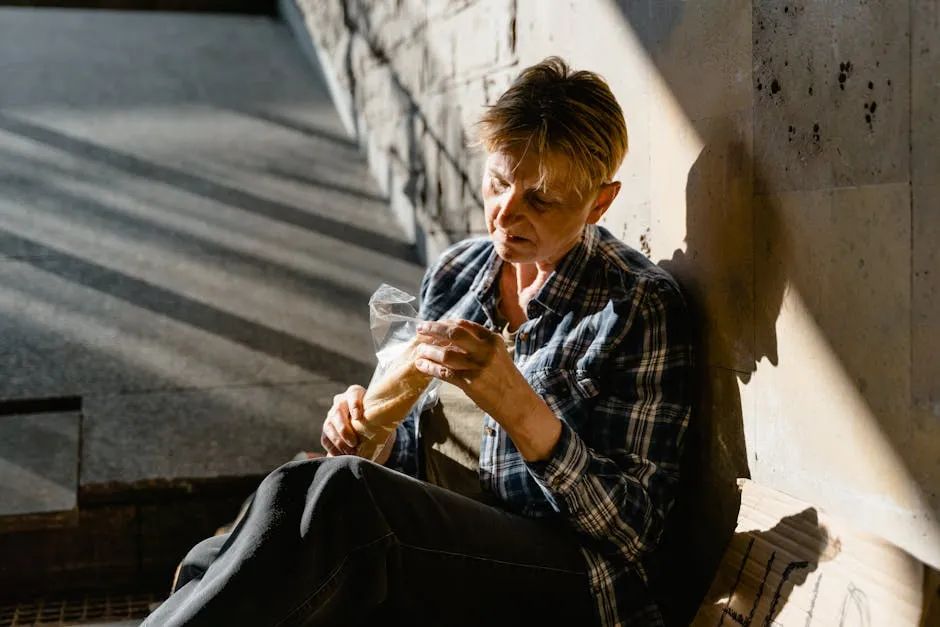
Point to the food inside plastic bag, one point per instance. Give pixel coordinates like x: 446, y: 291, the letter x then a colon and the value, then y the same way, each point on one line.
x: 388, y: 400
x: 397, y: 385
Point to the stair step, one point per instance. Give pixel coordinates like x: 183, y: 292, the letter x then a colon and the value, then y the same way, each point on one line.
x: 117, y: 544
x: 39, y: 459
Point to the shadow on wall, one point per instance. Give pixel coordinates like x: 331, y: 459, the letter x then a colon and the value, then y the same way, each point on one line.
x: 763, y: 556
x: 719, y: 208
x: 811, y: 134
x: 440, y: 180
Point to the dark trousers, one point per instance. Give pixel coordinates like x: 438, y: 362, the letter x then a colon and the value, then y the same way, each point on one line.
x: 344, y: 541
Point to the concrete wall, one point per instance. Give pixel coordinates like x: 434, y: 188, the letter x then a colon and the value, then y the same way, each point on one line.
x: 784, y: 165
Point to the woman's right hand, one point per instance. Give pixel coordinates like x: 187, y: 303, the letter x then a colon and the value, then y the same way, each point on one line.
x: 338, y: 436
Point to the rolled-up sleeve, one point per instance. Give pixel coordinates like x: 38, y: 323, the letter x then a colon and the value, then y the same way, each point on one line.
x: 616, y: 479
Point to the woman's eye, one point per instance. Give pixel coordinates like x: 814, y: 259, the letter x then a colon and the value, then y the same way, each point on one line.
x: 540, y: 205
x: 497, y: 185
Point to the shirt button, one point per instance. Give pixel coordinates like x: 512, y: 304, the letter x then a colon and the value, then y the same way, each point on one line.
x: 490, y: 431
x: 523, y: 336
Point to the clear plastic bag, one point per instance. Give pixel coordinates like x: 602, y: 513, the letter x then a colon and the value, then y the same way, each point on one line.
x: 396, y: 385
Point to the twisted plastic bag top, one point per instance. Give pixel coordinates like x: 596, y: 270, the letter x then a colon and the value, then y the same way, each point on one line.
x: 394, y: 322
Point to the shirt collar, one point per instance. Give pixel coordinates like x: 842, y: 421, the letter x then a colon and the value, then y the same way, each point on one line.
x: 558, y: 289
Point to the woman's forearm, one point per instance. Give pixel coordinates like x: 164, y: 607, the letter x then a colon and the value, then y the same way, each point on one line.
x: 533, y: 428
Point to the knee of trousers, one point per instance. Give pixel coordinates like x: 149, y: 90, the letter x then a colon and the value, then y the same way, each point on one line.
x: 338, y: 483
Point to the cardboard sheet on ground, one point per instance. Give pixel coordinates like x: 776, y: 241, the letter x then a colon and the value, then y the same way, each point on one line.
x: 791, y: 565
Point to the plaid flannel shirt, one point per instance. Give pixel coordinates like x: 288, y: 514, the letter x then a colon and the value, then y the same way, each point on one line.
x: 607, y: 346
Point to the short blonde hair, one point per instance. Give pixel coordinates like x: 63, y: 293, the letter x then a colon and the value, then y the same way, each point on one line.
x: 552, y: 110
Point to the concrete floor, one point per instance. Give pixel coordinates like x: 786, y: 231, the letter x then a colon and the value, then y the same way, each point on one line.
x: 188, y: 241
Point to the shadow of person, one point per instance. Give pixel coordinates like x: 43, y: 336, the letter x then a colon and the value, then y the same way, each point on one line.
x: 734, y: 283
x: 775, y: 570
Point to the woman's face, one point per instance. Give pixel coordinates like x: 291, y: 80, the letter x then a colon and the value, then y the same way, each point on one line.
x: 528, y: 225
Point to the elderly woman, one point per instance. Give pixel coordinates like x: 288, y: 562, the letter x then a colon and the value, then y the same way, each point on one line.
x: 532, y: 490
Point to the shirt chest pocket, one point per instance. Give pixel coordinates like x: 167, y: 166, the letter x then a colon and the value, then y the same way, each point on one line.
x: 569, y: 393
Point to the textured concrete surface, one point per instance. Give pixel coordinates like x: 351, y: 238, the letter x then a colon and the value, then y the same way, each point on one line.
x: 925, y: 174
x: 200, y: 434
x: 826, y: 94
x: 188, y: 241
x: 38, y: 464
x: 926, y: 297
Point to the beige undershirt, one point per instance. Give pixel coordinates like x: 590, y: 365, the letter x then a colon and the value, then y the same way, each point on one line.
x: 452, y: 433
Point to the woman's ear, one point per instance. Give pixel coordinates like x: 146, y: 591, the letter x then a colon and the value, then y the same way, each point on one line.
x: 605, y: 197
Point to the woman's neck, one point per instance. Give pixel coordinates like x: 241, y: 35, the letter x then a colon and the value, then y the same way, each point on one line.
x: 519, y: 283
x: 526, y: 278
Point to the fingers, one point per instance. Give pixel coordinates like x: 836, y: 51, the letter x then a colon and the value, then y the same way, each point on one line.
x: 448, y: 363
x: 347, y: 438
x: 333, y: 439
x: 476, y: 341
x: 327, y: 443
x: 451, y: 356
x: 478, y: 330
x: 354, y: 402
x: 459, y: 378
x: 456, y: 331
x: 338, y: 436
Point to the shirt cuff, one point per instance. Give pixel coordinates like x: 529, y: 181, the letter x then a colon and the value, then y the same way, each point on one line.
x: 565, y: 466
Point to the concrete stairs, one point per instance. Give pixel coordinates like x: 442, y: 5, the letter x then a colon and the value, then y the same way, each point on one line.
x: 188, y: 241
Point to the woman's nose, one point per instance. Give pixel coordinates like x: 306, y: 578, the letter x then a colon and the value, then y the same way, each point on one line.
x: 510, y: 207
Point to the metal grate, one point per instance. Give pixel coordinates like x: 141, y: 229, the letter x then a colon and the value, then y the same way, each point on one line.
x: 76, y: 611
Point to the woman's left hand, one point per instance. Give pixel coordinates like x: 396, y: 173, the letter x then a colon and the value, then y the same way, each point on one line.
x: 474, y: 359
